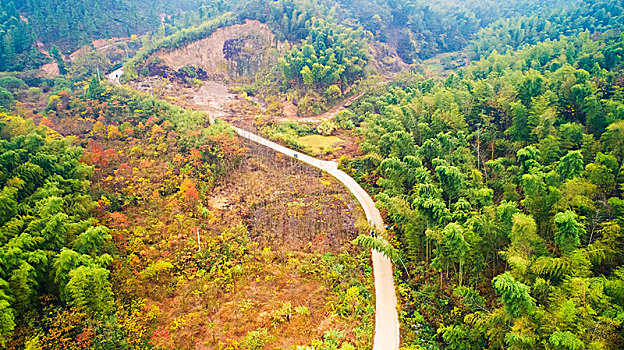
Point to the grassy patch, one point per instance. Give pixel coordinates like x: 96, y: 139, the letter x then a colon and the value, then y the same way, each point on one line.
x: 319, y: 143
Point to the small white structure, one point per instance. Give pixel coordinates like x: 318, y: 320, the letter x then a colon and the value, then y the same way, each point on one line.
x: 114, y: 76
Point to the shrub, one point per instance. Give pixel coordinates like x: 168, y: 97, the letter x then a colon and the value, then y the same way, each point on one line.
x: 256, y: 340
x: 6, y: 99
x: 12, y: 83
x: 302, y: 310
x: 33, y: 94
x: 282, y: 314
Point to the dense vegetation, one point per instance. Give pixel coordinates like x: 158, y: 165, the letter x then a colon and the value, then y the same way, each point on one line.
x: 107, y: 229
x: 17, y: 51
x: 55, y: 255
x: 503, y: 183
x: 51, y: 244
x: 330, y: 54
x: 597, y: 16
x: 420, y: 29
x: 70, y: 24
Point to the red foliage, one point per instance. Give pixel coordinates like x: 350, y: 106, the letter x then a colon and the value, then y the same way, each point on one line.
x: 161, y: 337
x: 192, y: 193
x: 95, y: 147
x: 195, y: 155
x: 64, y: 96
x: 151, y: 121
x: 145, y: 164
x: 94, y: 154
x: 117, y: 219
x: 83, y: 340
x: 120, y: 240
x: 124, y: 167
x: 128, y: 132
x: 45, y: 121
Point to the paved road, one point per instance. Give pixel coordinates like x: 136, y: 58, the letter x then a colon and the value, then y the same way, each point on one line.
x: 386, y: 317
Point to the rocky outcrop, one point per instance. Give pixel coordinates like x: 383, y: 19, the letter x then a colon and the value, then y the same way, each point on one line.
x: 236, y: 51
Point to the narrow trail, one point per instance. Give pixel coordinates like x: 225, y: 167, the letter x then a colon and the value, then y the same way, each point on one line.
x: 386, y: 315
x: 330, y: 114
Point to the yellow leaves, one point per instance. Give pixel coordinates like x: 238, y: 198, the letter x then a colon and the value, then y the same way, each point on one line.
x: 181, y: 321
x: 132, y: 320
x: 246, y: 304
x: 98, y: 128
x: 113, y: 132
x: 157, y: 132
x: 105, y: 201
x: 156, y: 268
x: 153, y: 313
x: 456, y: 312
x: 54, y: 100
x: 186, y: 185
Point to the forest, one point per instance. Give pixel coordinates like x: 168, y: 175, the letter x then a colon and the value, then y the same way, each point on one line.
x: 489, y: 134
x: 503, y: 183
x: 416, y: 29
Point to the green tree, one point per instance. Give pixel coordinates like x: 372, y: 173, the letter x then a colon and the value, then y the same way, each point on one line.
x: 95, y: 90
x: 520, y: 130
x: 7, y: 101
x: 452, y: 248
x: 571, y: 165
x: 568, y: 232
x: 528, y: 157
x: 58, y: 58
x: 7, y: 318
x: 93, y: 240
x: 88, y: 288
x: 524, y: 238
x: 614, y: 141
x: 514, y: 295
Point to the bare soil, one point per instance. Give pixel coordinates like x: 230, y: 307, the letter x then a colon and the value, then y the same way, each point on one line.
x: 235, y: 51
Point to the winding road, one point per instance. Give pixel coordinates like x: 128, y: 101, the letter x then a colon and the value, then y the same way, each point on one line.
x: 386, y: 316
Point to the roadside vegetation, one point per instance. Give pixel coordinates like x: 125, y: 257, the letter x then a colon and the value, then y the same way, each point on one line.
x: 503, y: 186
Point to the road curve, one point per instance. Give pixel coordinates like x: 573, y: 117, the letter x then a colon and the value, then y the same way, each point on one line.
x: 386, y: 317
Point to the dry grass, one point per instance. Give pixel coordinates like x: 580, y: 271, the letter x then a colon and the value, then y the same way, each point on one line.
x: 318, y: 143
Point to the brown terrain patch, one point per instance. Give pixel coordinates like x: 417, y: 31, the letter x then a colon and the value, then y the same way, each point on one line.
x: 287, y: 205
x: 236, y: 51
x: 293, y: 214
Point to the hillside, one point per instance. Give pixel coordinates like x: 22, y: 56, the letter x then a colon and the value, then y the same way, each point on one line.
x: 156, y: 189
